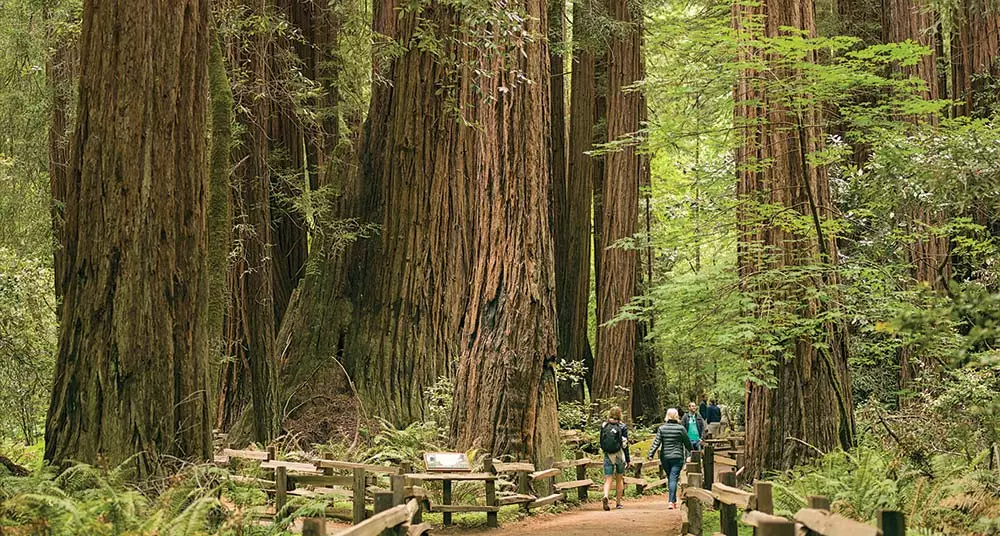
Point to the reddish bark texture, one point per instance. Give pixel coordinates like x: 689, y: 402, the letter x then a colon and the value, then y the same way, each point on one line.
x: 614, y: 366
x: 974, y: 50
x: 811, y: 399
x: 131, y: 367
x: 573, y: 265
x: 505, y: 391
x: 61, y: 73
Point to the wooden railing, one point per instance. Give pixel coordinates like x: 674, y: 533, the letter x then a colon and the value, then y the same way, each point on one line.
x: 756, y: 509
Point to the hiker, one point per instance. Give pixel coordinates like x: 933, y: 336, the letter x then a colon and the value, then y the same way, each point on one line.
x: 703, y: 409
x: 714, y: 418
x: 695, y: 426
x: 614, y: 444
x: 672, y: 440
x: 724, y: 418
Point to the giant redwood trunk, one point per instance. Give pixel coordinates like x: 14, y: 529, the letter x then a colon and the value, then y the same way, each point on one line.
x: 616, y: 278
x: 505, y: 388
x: 809, y: 403
x: 131, y: 368
x: 409, y: 283
x: 248, y: 379
x: 392, y: 304
x: 573, y: 265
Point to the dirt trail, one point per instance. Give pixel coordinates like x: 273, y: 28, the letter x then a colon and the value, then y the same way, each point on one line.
x: 641, y: 517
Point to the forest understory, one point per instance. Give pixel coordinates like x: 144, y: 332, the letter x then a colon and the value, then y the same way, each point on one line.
x: 370, y: 229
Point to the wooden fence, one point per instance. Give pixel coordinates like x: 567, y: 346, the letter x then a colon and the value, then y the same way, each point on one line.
x: 756, y: 509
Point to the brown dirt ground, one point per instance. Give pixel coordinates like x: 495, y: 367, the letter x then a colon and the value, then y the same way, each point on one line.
x: 640, y: 517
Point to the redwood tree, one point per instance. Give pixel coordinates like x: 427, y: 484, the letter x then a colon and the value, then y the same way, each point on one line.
x: 808, y: 406
x: 573, y: 244
x: 505, y: 390
x: 248, y: 379
x: 616, y: 278
x: 131, y: 368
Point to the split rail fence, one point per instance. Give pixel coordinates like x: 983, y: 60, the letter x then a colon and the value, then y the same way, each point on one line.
x: 756, y: 509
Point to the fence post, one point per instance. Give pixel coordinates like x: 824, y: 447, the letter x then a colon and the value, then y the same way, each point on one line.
x: 491, y: 491
x: 817, y: 502
x: 523, y: 488
x: 405, y: 468
x: 446, y: 500
x: 271, y: 452
x: 727, y: 512
x: 773, y: 527
x: 639, y: 488
x: 314, y: 526
x: 280, y: 489
x: 765, y: 500
x: 383, y: 502
x: 708, y: 463
x: 581, y: 474
x: 694, y: 512
x: 892, y: 523
x: 358, y: 513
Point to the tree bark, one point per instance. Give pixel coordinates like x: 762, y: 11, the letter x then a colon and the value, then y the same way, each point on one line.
x: 249, y: 375
x: 614, y: 366
x: 505, y: 391
x: 302, y: 143
x: 62, y: 71
x: 975, y: 46
x: 573, y: 274
x: 131, y: 368
x: 810, y: 402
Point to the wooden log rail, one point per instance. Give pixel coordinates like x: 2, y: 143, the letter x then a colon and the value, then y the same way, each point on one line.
x: 326, y: 477
x: 756, y: 509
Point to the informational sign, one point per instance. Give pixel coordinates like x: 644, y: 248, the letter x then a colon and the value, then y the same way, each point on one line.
x: 449, y: 462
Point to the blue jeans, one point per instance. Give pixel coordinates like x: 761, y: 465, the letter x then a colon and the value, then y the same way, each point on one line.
x: 672, y: 466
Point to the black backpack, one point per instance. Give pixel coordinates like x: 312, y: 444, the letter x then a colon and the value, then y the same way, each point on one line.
x: 611, y: 437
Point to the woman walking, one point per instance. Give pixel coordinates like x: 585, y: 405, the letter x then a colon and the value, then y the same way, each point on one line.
x: 672, y: 440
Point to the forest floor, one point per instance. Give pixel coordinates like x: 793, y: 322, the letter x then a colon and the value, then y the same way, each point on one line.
x: 640, y: 517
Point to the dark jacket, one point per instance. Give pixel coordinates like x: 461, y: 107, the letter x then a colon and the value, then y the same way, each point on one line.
x: 714, y: 414
x: 672, y: 439
x: 700, y: 421
x: 703, y: 409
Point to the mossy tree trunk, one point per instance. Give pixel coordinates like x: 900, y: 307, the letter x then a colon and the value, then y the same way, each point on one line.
x: 131, y: 367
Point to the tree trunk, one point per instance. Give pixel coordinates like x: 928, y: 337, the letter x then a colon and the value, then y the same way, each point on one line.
x: 248, y: 376
x: 62, y: 71
x: 810, y: 401
x: 395, y: 318
x: 614, y: 366
x: 647, y: 401
x: 220, y: 214
x: 928, y: 251
x: 410, y: 283
x: 573, y: 275
x: 131, y: 368
x: 975, y: 46
x: 505, y: 391
x: 302, y: 143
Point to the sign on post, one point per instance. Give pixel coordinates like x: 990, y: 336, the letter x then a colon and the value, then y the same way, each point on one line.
x: 447, y: 462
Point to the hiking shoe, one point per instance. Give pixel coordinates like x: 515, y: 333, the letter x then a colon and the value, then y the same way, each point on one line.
x: 671, y: 506
x: 605, y: 501
x: 619, y: 506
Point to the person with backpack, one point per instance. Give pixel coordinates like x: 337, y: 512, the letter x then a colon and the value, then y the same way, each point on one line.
x: 614, y: 444
x: 694, y: 424
x: 672, y: 440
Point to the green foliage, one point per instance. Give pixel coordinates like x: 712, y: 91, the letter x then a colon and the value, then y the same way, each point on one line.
x: 27, y: 344
x: 84, y: 500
